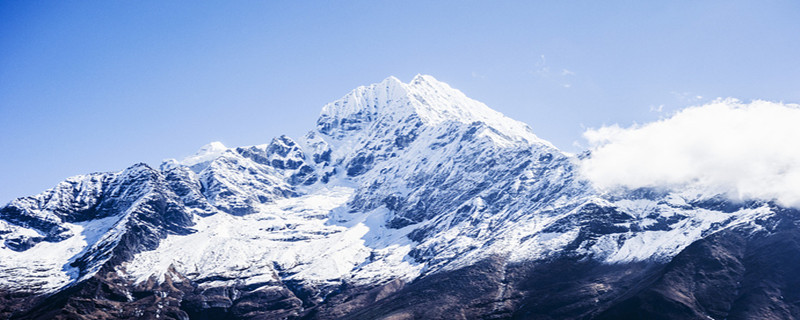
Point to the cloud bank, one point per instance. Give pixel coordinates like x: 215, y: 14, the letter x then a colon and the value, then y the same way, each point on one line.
x: 743, y: 150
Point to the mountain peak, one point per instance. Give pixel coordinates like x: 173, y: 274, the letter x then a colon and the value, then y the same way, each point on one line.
x: 425, y: 97
x: 420, y: 78
x: 206, y: 153
x: 391, y: 80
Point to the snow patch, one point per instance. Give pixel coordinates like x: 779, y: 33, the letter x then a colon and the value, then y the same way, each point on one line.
x: 46, y: 266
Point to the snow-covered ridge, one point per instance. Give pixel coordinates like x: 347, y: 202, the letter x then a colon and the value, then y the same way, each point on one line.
x: 206, y: 153
x: 432, y: 101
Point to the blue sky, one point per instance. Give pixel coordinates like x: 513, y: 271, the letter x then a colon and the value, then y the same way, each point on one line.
x: 99, y: 85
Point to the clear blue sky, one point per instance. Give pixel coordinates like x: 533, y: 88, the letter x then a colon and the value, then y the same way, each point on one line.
x: 92, y: 86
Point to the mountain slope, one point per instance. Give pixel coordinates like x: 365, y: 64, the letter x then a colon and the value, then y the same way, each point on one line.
x: 407, y: 199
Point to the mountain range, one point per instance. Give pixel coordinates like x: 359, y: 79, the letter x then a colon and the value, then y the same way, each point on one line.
x: 406, y: 201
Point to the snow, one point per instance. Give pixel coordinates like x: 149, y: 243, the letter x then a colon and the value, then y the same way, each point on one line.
x: 206, y: 154
x: 663, y: 245
x: 45, y: 267
x: 433, y: 101
x: 438, y: 102
x: 291, y: 235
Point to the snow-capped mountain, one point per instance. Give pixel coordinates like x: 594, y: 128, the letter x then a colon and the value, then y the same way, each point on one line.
x: 408, y: 200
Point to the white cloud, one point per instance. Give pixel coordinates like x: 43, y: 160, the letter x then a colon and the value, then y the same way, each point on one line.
x: 747, y: 151
x: 476, y: 75
x: 542, y: 69
x: 562, y: 79
x: 687, y: 97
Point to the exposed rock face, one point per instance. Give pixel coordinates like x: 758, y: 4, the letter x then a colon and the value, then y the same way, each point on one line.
x: 407, y: 201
